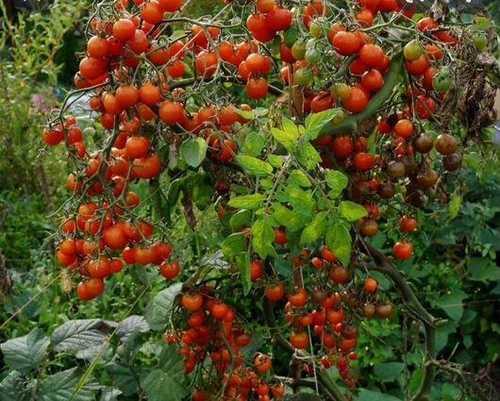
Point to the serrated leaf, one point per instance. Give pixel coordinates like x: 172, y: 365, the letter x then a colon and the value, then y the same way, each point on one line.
x: 302, y: 201
x: 287, y: 218
x: 316, y: 121
x: 314, y: 230
x: 76, y: 335
x: 452, y: 304
x: 14, y: 387
x: 454, y: 206
x: 124, y: 378
x: 240, y: 219
x: 287, y: 136
x: 233, y: 245
x: 262, y: 238
x: 338, y: 239
x: 65, y: 386
x: 161, y: 386
x: 308, y: 156
x: 26, y: 352
x: 254, y: 166
x: 276, y: 160
x: 298, y: 177
x: 193, y: 151
x: 245, y: 114
x: 388, y: 371
x: 252, y: 201
x: 352, y: 211
x: 483, y: 269
x: 130, y: 325
x: 337, y: 181
x: 110, y: 394
x: 254, y: 143
x: 158, y: 310
x: 370, y: 395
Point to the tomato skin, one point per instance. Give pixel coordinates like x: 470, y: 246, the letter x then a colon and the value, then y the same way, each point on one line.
x: 417, y: 66
x: 256, y: 270
x: 172, y: 113
x: 372, y: 80
x: 257, y: 88
x: 170, y: 270
x: 372, y: 55
x: 402, y: 250
x: 124, y: 29
x: 192, y: 302
x: 407, y: 224
x: 404, y: 128
x: 346, y: 43
x: 300, y: 340
x: 343, y: 147
x: 279, y: 19
x: 370, y: 285
x: 275, y: 293
x: 357, y: 100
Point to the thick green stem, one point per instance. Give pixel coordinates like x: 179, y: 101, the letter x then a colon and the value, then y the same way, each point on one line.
x: 350, y: 124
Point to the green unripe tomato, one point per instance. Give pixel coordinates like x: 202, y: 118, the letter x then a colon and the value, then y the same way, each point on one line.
x: 315, y: 30
x: 341, y: 91
x: 413, y: 50
x: 291, y: 35
x: 339, y: 117
x: 442, y: 80
x: 299, y: 50
x: 312, y: 56
x: 480, y: 40
x: 303, y: 76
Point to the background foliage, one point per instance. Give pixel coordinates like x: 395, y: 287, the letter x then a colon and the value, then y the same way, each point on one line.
x: 118, y: 352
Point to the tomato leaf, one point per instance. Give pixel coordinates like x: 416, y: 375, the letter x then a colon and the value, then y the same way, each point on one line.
x: 338, y: 239
x: 157, y: 312
x: 254, y: 166
x: 314, y: 230
x: 193, y: 151
x: 252, y: 201
x: 26, y: 352
x: 352, y: 211
x: 308, y: 156
x: 262, y: 238
x: 337, y: 181
x: 316, y: 121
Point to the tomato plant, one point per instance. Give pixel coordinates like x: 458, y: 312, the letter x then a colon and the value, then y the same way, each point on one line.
x: 348, y: 131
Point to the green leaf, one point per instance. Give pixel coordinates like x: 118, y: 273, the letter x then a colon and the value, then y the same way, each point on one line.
x: 308, y: 156
x: 298, y: 177
x: 276, y: 160
x: 233, y: 245
x: 158, y: 310
x: 316, y: 121
x: 243, y: 263
x: 287, y: 218
x: 450, y: 392
x: 483, y: 269
x: 452, y: 304
x: 314, y: 230
x: 370, y: 395
x: 131, y: 325
x: 454, y: 206
x: 262, y: 238
x: 337, y: 181
x: 65, y: 386
x: 301, y: 201
x: 123, y: 377
x: 254, y: 166
x: 77, y: 335
x: 254, y: 143
x: 246, y: 114
x: 352, y: 211
x: 193, y: 151
x: 14, y: 387
x: 253, y: 201
x: 27, y: 352
x: 288, y: 135
x: 110, y: 394
x: 338, y: 239
x: 240, y: 219
x: 164, y: 386
x: 443, y: 330
x: 389, y: 371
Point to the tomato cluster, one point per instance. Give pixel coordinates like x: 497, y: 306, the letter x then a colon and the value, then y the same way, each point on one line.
x: 214, y: 332
x: 162, y: 84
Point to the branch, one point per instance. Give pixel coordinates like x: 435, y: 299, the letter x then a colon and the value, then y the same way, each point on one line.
x: 385, y: 266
